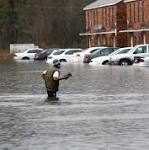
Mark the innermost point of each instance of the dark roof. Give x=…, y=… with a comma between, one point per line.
x=101, y=3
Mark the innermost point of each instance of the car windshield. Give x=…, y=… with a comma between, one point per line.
x=89, y=50
x=96, y=51
x=99, y=49
x=93, y=51
x=58, y=52
x=34, y=51
x=120, y=51
x=103, y=51
x=43, y=52
x=124, y=51
x=71, y=52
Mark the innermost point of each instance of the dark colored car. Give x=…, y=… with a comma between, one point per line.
x=43, y=55
x=99, y=52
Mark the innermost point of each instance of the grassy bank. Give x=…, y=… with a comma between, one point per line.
x=5, y=55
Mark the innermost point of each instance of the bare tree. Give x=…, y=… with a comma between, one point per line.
x=47, y=23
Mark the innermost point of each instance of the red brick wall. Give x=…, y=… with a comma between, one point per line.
x=137, y=18
x=135, y=14
x=106, y=17
x=121, y=25
x=123, y=16
x=146, y=12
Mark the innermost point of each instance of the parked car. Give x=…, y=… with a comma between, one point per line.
x=27, y=54
x=79, y=57
x=104, y=60
x=141, y=61
x=128, y=58
x=54, y=55
x=99, y=52
x=43, y=55
x=63, y=55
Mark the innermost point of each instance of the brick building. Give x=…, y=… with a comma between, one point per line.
x=117, y=23
x=137, y=22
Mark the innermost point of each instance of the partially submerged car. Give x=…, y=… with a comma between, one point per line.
x=28, y=54
x=44, y=54
x=128, y=58
x=103, y=51
x=104, y=60
x=81, y=56
x=63, y=55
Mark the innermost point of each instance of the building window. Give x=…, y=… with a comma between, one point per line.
x=138, y=12
x=103, y=16
x=134, y=13
x=92, y=20
x=105, y=13
x=142, y=11
x=107, y=17
x=100, y=16
x=130, y=13
x=97, y=17
x=112, y=15
x=89, y=20
x=94, y=17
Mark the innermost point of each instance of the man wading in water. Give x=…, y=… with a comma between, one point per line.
x=52, y=77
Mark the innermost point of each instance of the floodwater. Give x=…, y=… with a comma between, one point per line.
x=99, y=108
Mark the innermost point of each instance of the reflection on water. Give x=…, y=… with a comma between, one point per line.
x=99, y=108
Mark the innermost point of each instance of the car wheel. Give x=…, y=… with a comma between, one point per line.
x=125, y=62
x=63, y=60
x=105, y=62
x=25, y=58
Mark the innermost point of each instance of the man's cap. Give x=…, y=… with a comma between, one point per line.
x=56, y=62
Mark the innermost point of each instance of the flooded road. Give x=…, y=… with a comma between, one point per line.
x=99, y=108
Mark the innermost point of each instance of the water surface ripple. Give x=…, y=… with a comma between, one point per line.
x=99, y=108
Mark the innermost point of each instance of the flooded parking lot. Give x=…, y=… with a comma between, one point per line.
x=99, y=108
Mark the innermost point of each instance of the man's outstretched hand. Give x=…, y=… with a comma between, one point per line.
x=68, y=75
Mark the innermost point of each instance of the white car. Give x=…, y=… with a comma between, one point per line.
x=128, y=58
x=79, y=57
x=104, y=60
x=28, y=54
x=63, y=55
